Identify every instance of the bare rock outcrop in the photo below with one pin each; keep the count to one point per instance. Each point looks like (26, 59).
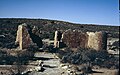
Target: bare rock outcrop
(23, 37)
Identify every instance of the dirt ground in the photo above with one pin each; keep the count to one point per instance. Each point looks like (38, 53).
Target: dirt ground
(103, 71)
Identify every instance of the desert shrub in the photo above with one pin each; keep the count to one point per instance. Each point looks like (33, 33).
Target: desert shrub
(45, 36)
(23, 56)
(81, 56)
(11, 45)
(112, 62)
(81, 26)
(78, 57)
(17, 56)
(51, 36)
(6, 58)
(8, 41)
(52, 49)
(33, 48)
(49, 48)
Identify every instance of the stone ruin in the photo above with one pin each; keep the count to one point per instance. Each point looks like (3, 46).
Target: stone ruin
(70, 38)
(25, 38)
(57, 39)
(97, 40)
(79, 39)
(75, 39)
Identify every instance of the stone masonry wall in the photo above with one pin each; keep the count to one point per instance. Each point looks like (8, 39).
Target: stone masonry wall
(23, 37)
(76, 39)
(97, 40)
(57, 39)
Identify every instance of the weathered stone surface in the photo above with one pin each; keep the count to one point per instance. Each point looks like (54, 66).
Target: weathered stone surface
(23, 37)
(97, 40)
(75, 39)
(57, 39)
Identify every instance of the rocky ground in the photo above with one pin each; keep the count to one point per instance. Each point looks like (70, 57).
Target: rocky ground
(49, 64)
(113, 45)
(52, 66)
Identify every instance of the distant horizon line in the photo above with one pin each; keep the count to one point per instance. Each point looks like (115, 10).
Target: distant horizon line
(57, 20)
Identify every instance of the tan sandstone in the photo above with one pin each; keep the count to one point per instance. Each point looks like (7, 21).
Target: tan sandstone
(79, 39)
(23, 37)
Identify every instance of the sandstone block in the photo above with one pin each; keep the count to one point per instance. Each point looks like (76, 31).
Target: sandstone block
(23, 37)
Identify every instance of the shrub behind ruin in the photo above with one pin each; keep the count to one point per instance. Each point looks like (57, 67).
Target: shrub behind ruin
(82, 56)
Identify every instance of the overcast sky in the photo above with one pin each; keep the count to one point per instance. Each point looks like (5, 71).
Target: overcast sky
(102, 12)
